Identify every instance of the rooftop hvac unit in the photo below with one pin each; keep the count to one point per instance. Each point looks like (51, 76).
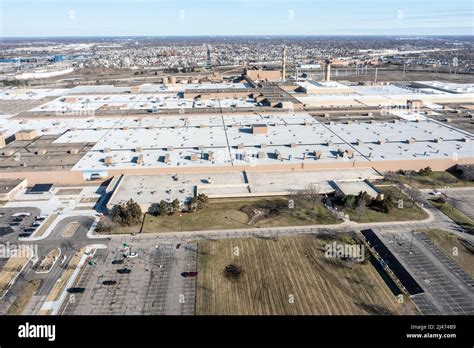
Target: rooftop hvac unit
(108, 160)
(411, 141)
(318, 154)
(293, 145)
(106, 150)
(73, 151)
(41, 152)
(138, 149)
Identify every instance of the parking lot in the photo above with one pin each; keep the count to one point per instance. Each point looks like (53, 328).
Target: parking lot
(464, 200)
(448, 289)
(13, 226)
(154, 284)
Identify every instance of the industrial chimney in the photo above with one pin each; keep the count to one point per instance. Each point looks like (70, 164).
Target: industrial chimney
(327, 71)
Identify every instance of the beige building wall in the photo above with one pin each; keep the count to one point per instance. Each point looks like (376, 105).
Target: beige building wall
(75, 177)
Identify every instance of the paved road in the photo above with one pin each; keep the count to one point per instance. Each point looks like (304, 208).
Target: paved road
(68, 246)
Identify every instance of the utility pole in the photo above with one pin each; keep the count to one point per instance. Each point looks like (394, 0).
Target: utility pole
(376, 73)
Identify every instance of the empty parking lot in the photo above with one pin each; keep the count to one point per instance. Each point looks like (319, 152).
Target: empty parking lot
(154, 285)
(448, 289)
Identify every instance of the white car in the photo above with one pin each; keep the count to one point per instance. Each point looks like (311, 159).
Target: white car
(132, 255)
(435, 193)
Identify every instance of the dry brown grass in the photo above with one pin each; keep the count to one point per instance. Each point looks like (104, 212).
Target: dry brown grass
(68, 192)
(71, 229)
(19, 305)
(276, 269)
(44, 227)
(10, 270)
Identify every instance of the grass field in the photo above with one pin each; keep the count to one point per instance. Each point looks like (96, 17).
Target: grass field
(19, 305)
(447, 241)
(228, 214)
(408, 213)
(457, 216)
(288, 276)
(433, 180)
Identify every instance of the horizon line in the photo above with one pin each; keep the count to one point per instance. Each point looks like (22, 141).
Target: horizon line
(232, 35)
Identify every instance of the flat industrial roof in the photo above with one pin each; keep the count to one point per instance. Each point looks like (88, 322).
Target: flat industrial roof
(182, 137)
(148, 189)
(7, 185)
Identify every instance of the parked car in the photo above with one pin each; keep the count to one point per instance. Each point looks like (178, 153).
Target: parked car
(41, 217)
(24, 235)
(14, 223)
(117, 262)
(124, 271)
(189, 274)
(76, 290)
(29, 229)
(109, 282)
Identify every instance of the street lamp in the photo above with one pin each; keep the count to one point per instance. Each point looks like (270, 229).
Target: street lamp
(411, 242)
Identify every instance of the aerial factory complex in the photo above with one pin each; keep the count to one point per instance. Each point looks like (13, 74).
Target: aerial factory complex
(165, 178)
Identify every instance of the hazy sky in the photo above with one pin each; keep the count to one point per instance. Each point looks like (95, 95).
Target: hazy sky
(235, 17)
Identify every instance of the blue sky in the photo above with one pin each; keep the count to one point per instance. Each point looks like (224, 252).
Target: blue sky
(235, 17)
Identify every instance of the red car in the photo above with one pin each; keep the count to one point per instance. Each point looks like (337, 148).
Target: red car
(189, 274)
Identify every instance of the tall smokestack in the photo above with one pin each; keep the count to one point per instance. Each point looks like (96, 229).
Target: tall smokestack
(327, 72)
(283, 70)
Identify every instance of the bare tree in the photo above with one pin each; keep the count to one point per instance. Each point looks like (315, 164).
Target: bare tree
(413, 194)
(390, 176)
(361, 208)
(312, 193)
